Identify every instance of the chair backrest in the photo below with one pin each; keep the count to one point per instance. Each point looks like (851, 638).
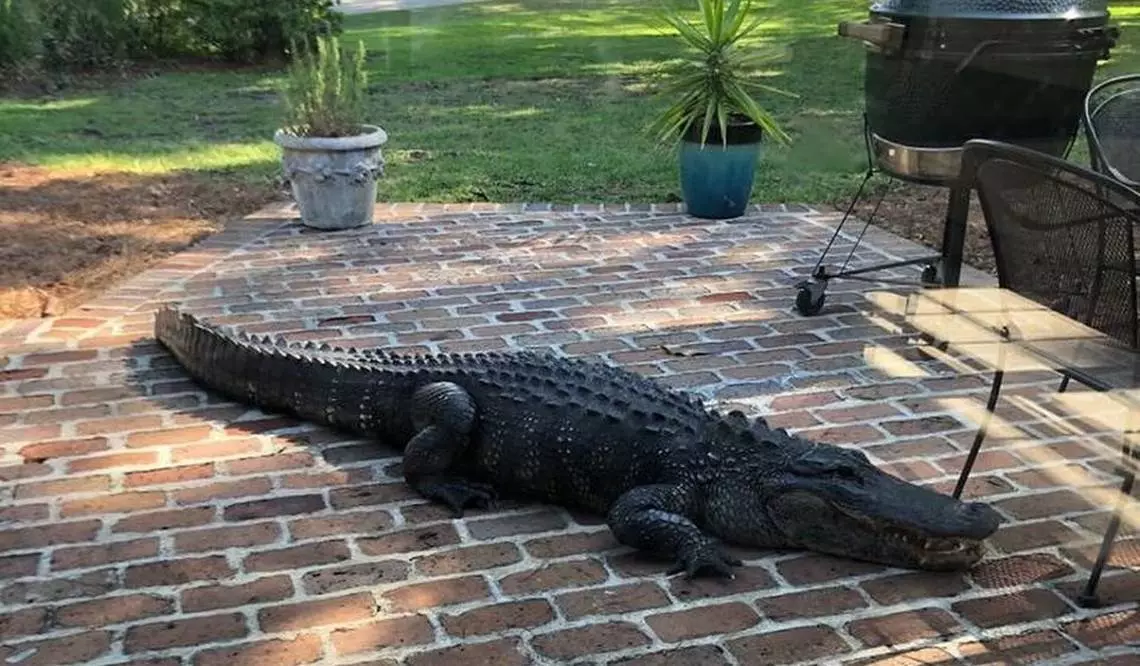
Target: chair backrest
(1112, 128)
(1062, 235)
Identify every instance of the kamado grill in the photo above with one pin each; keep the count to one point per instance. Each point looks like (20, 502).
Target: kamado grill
(941, 72)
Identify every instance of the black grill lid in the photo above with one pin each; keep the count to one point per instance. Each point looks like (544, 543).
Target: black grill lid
(994, 9)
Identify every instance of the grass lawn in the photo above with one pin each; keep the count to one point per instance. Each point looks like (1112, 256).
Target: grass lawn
(534, 100)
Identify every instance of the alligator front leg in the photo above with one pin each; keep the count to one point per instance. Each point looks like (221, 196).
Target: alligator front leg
(656, 519)
(443, 414)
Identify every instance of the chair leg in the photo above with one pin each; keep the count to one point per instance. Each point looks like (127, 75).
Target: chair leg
(1088, 598)
(991, 404)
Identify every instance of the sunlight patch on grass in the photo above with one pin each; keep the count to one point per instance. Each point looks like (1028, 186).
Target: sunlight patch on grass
(204, 157)
(10, 106)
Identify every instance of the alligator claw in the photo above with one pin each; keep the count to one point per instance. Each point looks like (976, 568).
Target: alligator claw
(707, 556)
(460, 495)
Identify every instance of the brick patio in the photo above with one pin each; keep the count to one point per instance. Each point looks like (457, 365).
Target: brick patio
(144, 521)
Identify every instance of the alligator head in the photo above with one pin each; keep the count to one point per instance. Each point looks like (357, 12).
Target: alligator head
(832, 500)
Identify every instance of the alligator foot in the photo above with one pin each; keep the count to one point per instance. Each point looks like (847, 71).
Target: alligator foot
(708, 555)
(458, 495)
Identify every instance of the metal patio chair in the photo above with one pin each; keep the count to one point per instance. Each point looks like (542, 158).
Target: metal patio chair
(1112, 128)
(1064, 237)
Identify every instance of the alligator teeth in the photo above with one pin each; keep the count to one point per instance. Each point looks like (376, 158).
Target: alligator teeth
(944, 545)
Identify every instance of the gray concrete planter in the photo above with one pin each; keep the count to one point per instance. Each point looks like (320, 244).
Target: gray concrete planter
(333, 179)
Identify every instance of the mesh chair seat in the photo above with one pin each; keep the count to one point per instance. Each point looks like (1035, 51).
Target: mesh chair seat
(1112, 128)
(1064, 238)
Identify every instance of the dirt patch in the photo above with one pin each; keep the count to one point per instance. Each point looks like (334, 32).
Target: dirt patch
(918, 213)
(68, 235)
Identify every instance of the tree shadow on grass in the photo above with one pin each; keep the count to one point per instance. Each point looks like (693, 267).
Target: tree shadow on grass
(67, 234)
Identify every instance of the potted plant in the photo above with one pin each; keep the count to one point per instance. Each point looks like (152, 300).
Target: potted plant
(713, 114)
(331, 157)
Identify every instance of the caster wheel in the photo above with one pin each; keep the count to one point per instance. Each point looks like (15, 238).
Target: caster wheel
(809, 302)
(930, 275)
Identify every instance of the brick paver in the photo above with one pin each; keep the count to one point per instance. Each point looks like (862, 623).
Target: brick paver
(145, 521)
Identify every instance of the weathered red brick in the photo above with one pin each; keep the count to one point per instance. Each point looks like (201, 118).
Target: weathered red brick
(371, 521)
(229, 536)
(816, 568)
(788, 646)
(52, 358)
(904, 627)
(568, 644)
(169, 436)
(1046, 505)
(65, 414)
(381, 634)
(10, 473)
(223, 490)
(503, 652)
(113, 460)
(25, 622)
(747, 579)
(271, 508)
(525, 614)
(124, 502)
(562, 545)
(271, 463)
(341, 579)
(166, 519)
(72, 649)
(436, 594)
(369, 494)
(185, 632)
(168, 475)
(1033, 647)
(97, 395)
(1122, 628)
(216, 449)
(63, 448)
(303, 649)
(258, 591)
(558, 575)
(540, 521)
(307, 614)
(67, 486)
(405, 541)
(118, 424)
(18, 566)
(466, 559)
(77, 557)
(702, 621)
(1014, 608)
(177, 572)
(113, 610)
(612, 600)
(810, 603)
(298, 557)
(27, 538)
(24, 513)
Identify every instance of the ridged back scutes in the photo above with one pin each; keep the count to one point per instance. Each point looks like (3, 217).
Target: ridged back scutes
(613, 392)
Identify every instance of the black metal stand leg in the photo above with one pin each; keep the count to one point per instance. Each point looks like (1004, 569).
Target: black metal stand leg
(954, 235)
(995, 390)
(1064, 383)
(1088, 598)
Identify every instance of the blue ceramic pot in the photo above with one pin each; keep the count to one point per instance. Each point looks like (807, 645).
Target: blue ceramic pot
(716, 179)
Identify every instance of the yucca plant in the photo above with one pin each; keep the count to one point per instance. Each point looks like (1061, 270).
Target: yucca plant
(326, 90)
(720, 82)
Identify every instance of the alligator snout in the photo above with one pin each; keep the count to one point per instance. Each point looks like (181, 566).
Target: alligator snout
(979, 520)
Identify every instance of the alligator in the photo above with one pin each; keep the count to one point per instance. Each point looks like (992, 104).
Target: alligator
(674, 478)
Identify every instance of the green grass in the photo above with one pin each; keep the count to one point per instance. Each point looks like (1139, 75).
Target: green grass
(535, 100)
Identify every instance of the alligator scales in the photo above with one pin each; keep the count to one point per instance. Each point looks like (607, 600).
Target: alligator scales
(673, 477)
